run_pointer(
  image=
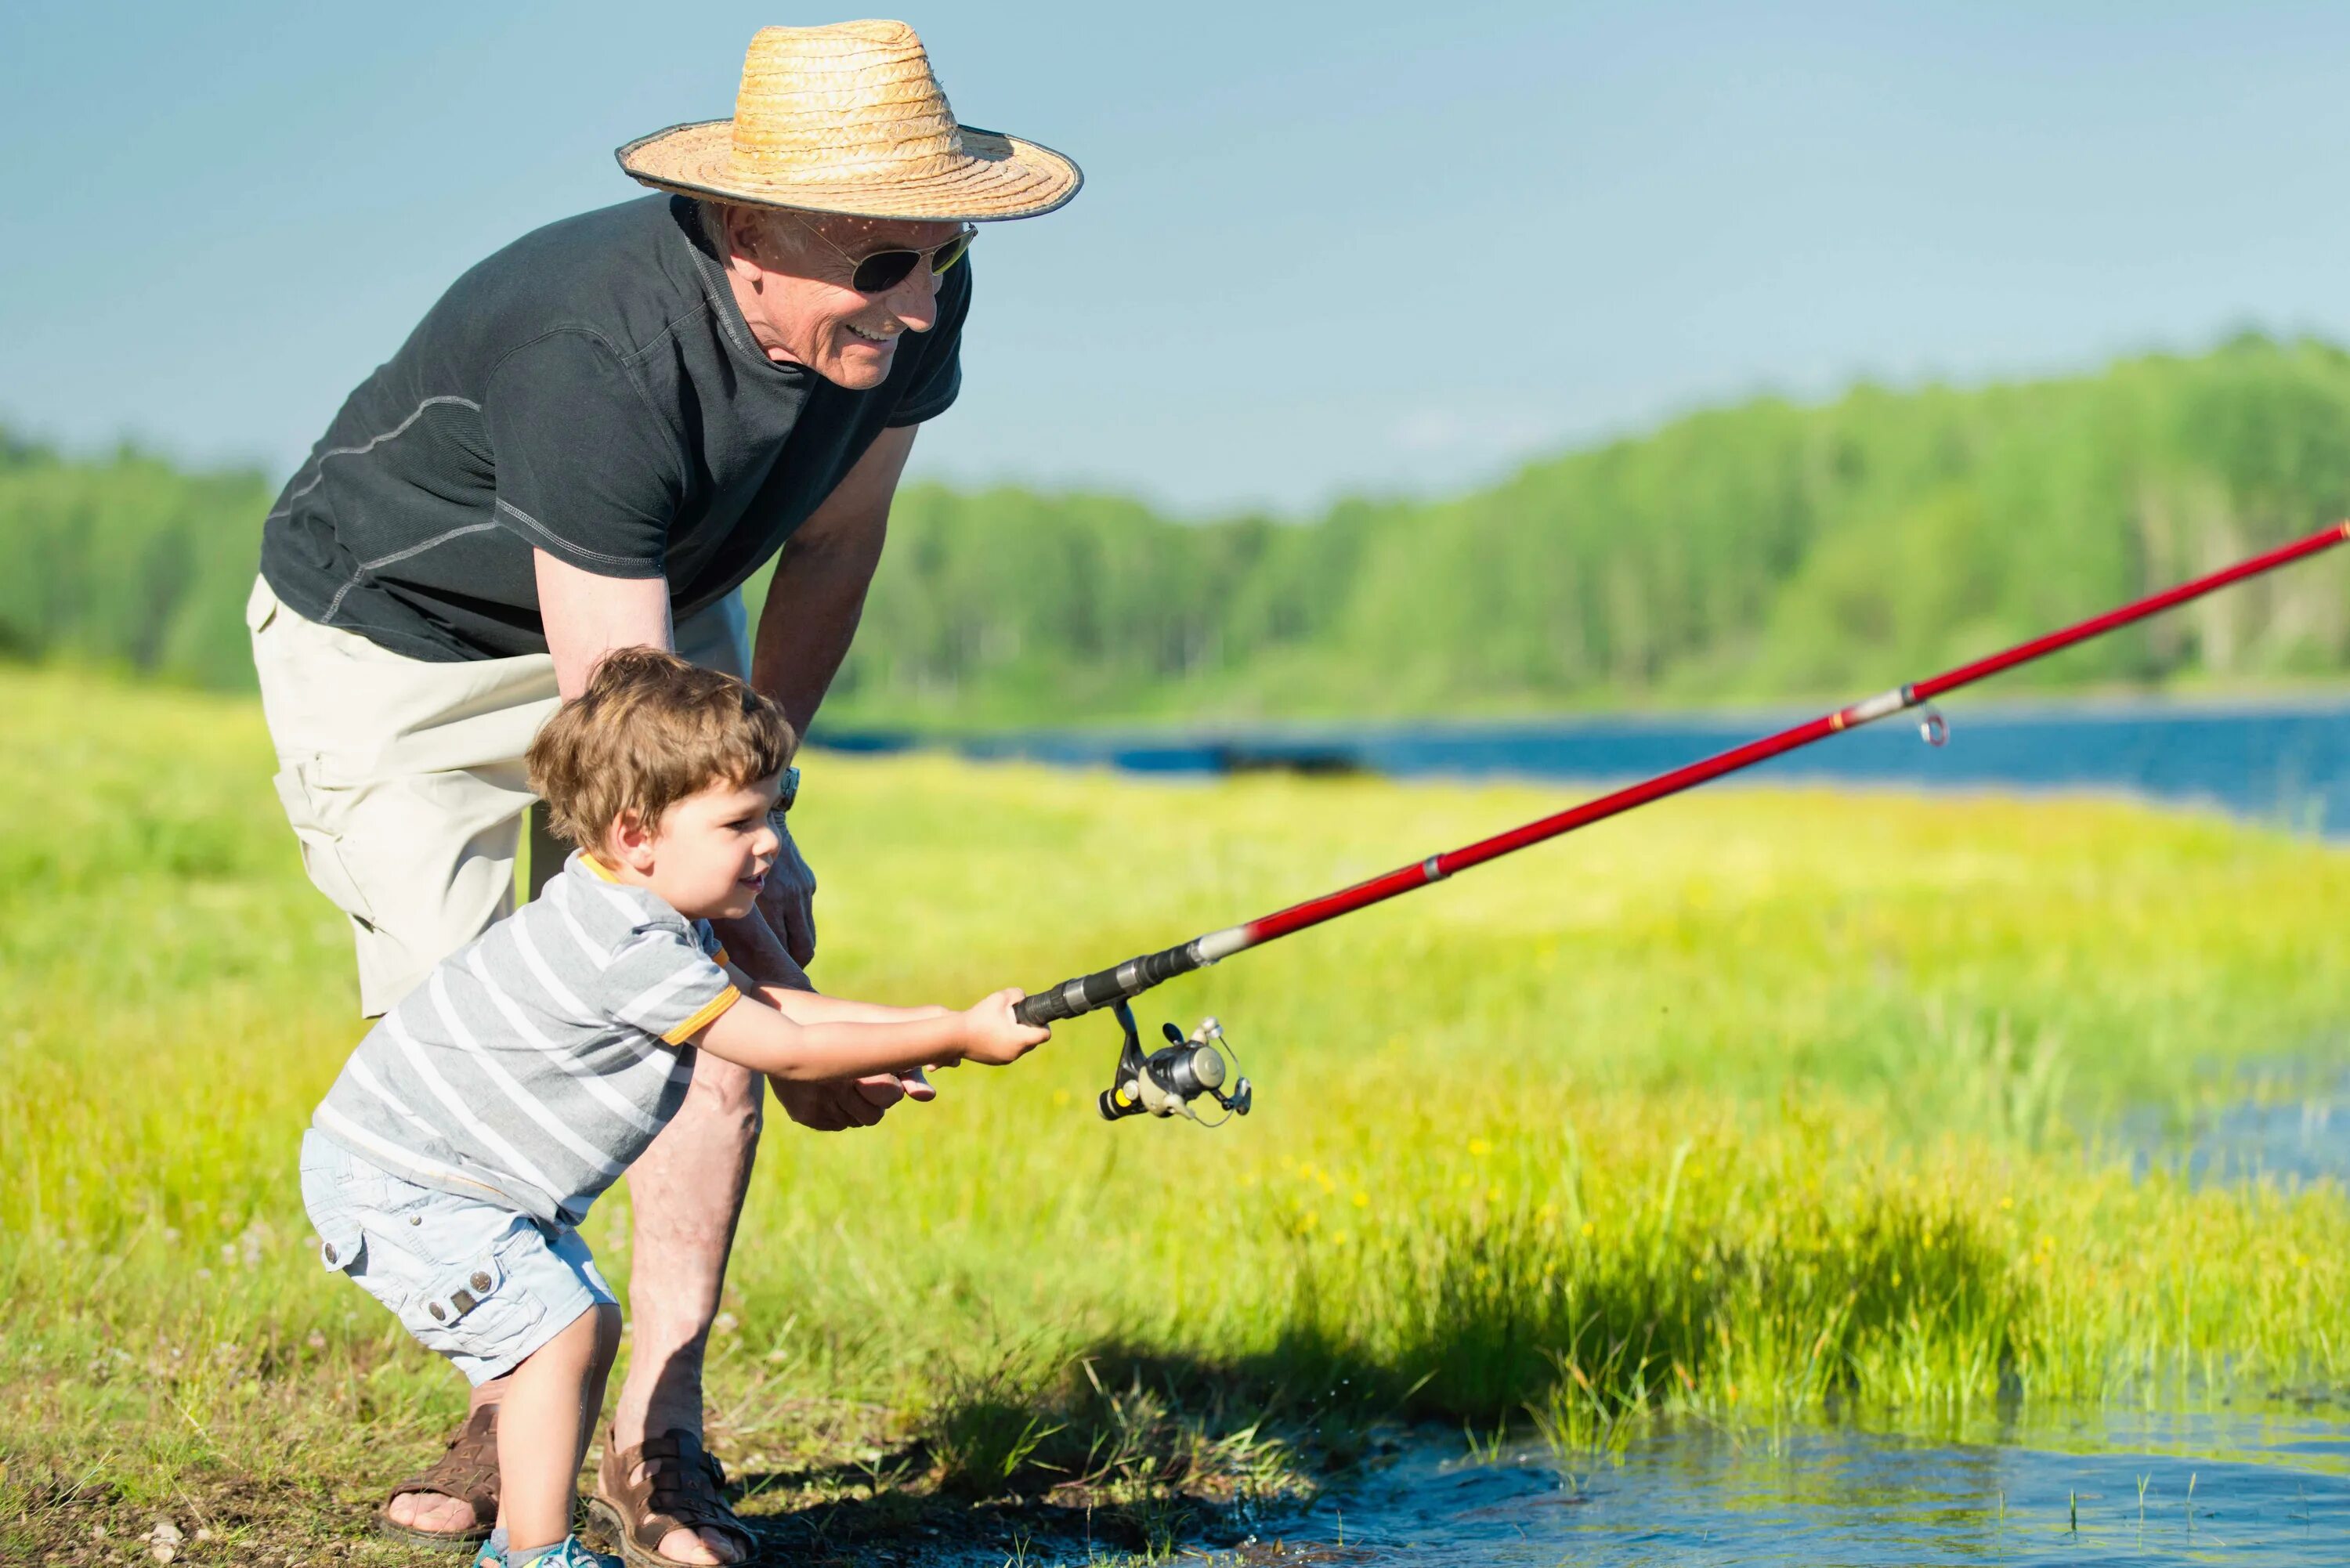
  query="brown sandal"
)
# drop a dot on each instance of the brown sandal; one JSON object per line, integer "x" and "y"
{"x": 467, "y": 1470}
{"x": 670, "y": 1482}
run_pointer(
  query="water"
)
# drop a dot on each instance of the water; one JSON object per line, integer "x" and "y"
{"x": 2114, "y": 1487}
{"x": 2293, "y": 1140}
{"x": 2263, "y": 1491}
{"x": 2278, "y": 762}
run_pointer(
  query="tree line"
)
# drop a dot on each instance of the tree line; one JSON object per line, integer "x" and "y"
{"x": 1767, "y": 550}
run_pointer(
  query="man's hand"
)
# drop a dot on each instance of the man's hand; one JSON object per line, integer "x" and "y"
{"x": 831, "y": 1108}
{"x": 750, "y": 943}
{"x": 787, "y": 899}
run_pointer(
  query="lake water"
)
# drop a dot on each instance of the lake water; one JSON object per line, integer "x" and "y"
{"x": 2282, "y": 763}
{"x": 2114, "y": 1487}
{"x": 2263, "y": 1491}
{"x": 2291, "y": 1139}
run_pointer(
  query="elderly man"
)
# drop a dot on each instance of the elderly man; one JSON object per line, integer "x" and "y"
{"x": 590, "y": 442}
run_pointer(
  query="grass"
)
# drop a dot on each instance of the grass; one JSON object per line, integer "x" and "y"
{"x": 1761, "y": 1106}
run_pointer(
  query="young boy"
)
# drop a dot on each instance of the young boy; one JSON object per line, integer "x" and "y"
{"x": 449, "y": 1166}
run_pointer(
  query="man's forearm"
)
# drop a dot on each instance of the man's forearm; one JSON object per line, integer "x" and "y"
{"x": 818, "y": 591}
{"x": 811, "y": 615}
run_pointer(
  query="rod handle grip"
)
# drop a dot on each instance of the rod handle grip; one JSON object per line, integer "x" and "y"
{"x": 1042, "y": 1007}
{"x": 1085, "y": 992}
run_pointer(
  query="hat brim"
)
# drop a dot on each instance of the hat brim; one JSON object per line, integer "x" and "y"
{"x": 999, "y": 177}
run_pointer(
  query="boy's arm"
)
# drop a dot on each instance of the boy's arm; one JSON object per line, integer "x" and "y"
{"x": 803, "y": 1006}
{"x": 815, "y": 1007}
{"x": 767, "y": 1039}
{"x": 813, "y": 1039}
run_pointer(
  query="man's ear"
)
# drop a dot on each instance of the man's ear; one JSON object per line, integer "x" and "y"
{"x": 745, "y": 229}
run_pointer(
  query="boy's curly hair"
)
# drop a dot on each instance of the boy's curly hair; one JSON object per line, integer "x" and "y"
{"x": 651, "y": 730}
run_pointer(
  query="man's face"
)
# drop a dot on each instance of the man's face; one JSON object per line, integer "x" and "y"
{"x": 794, "y": 289}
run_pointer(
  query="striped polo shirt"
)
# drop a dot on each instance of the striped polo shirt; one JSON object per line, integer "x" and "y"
{"x": 538, "y": 1061}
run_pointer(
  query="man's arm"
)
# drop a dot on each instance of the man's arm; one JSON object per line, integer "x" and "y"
{"x": 811, "y": 615}
{"x": 587, "y": 617}
{"x": 820, "y": 581}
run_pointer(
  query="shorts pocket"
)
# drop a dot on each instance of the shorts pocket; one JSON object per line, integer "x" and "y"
{"x": 322, "y": 848}
{"x": 332, "y": 1205}
{"x": 342, "y": 1245}
{"x": 475, "y": 1307}
{"x": 260, "y": 606}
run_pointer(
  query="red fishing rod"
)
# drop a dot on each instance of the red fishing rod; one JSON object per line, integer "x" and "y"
{"x": 1167, "y": 1082}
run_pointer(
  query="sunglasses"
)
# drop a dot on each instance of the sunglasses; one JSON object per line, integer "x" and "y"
{"x": 882, "y": 270}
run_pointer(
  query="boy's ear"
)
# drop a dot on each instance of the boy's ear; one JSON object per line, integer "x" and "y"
{"x": 632, "y": 840}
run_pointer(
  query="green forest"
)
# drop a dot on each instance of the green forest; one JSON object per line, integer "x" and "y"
{"x": 1763, "y": 551}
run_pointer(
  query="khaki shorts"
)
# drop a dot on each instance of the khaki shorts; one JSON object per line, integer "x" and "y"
{"x": 404, "y": 779}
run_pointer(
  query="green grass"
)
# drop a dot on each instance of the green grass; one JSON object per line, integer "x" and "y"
{"x": 1760, "y": 1106}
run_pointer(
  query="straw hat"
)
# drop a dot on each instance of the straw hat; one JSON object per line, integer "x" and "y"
{"x": 849, "y": 119}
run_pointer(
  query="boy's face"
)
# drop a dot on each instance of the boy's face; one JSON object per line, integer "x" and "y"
{"x": 711, "y": 851}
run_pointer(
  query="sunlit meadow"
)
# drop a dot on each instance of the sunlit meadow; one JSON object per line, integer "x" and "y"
{"x": 1763, "y": 1106}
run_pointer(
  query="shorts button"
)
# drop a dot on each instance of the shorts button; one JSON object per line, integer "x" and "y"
{"x": 438, "y": 1315}
{"x": 481, "y": 1282}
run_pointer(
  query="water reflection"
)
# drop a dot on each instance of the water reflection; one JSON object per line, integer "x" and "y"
{"x": 2292, "y": 1139}
{"x": 2140, "y": 1490}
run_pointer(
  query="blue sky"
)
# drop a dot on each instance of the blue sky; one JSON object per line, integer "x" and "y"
{"x": 1321, "y": 250}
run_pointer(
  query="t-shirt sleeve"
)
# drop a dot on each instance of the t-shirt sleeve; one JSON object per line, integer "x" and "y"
{"x": 936, "y": 374}
{"x": 587, "y": 470}
{"x": 660, "y": 981}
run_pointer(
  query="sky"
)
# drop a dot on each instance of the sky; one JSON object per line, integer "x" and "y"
{"x": 1321, "y": 250}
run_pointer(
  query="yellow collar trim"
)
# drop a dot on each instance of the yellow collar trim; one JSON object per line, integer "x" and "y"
{"x": 597, "y": 866}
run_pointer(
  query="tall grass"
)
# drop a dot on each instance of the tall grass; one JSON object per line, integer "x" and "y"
{"x": 1763, "y": 1105}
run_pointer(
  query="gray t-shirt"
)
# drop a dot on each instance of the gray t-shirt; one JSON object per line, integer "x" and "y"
{"x": 538, "y": 1061}
{"x": 591, "y": 390}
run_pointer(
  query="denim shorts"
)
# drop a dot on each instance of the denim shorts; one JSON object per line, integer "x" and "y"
{"x": 477, "y": 1280}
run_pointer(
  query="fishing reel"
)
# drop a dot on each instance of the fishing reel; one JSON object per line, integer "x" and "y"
{"x": 1172, "y": 1080}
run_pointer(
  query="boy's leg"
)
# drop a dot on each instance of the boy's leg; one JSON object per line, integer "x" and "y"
{"x": 549, "y": 1409}
{"x": 488, "y": 1287}
{"x": 404, "y": 784}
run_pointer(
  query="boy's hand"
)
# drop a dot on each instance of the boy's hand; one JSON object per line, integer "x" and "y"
{"x": 995, "y": 1037}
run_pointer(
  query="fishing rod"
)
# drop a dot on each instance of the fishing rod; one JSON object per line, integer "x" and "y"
{"x": 1188, "y": 1069}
